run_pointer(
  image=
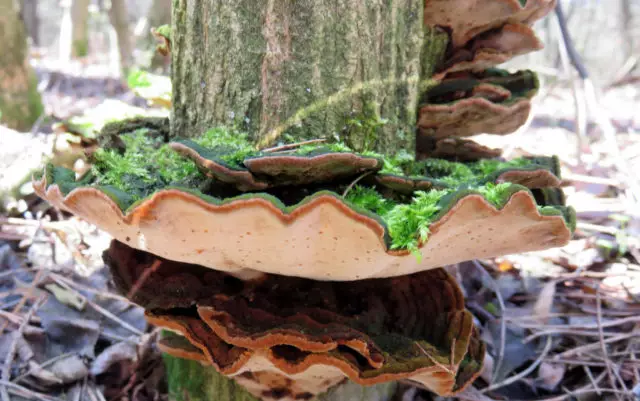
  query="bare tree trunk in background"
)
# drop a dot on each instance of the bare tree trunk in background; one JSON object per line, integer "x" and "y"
{"x": 159, "y": 14}
{"x": 74, "y": 30}
{"x": 120, "y": 22}
{"x": 29, "y": 13}
{"x": 20, "y": 103}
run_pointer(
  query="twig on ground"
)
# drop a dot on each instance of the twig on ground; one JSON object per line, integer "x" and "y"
{"x": 99, "y": 308}
{"x": 503, "y": 324}
{"x": 525, "y": 372}
{"x": 8, "y": 360}
{"x": 23, "y": 391}
{"x": 603, "y": 347}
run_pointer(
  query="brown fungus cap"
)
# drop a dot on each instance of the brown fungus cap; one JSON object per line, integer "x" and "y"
{"x": 466, "y": 19}
{"x": 264, "y": 171}
{"x": 240, "y": 177}
{"x": 371, "y": 331}
{"x": 489, "y": 102}
{"x": 302, "y": 170}
{"x": 468, "y": 117}
{"x": 322, "y": 238}
{"x": 461, "y": 150}
{"x": 491, "y": 49}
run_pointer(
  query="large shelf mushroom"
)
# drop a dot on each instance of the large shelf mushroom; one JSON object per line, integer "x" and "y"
{"x": 377, "y": 331}
{"x": 295, "y": 268}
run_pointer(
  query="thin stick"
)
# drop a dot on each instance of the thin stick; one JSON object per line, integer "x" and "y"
{"x": 503, "y": 324}
{"x": 43, "y": 365}
{"x": 293, "y": 145}
{"x": 143, "y": 278}
{"x": 587, "y": 370}
{"x": 350, "y": 187}
{"x": 525, "y": 372}
{"x": 100, "y": 309}
{"x": 603, "y": 347}
{"x": 567, "y": 331}
{"x": 30, "y": 393}
{"x": 8, "y": 360}
{"x": 592, "y": 346}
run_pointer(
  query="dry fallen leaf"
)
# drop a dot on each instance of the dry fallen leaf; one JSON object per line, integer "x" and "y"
{"x": 544, "y": 303}
{"x": 550, "y": 375}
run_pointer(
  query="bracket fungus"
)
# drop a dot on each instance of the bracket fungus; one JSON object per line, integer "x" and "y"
{"x": 295, "y": 268}
{"x": 471, "y": 103}
{"x": 467, "y": 19}
{"x": 377, "y": 331}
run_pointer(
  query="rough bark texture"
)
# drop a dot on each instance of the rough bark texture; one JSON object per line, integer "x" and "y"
{"x": 190, "y": 381}
{"x": 20, "y": 103}
{"x": 307, "y": 68}
{"x": 119, "y": 21}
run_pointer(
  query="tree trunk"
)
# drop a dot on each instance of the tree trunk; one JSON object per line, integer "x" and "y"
{"x": 74, "y": 30}
{"x": 120, "y": 22}
{"x": 306, "y": 68}
{"x": 20, "y": 103}
{"x": 29, "y": 12}
{"x": 190, "y": 381}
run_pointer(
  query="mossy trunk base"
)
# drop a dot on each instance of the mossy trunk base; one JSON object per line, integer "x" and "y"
{"x": 192, "y": 381}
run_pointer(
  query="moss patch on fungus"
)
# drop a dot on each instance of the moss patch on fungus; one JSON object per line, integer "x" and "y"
{"x": 141, "y": 163}
{"x": 145, "y": 165}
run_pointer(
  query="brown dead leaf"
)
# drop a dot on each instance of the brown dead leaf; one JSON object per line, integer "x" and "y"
{"x": 550, "y": 375}
{"x": 544, "y": 303}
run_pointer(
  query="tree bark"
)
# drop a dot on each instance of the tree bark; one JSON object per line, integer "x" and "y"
{"x": 20, "y": 103}
{"x": 29, "y": 12}
{"x": 306, "y": 68}
{"x": 191, "y": 381}
{"x": 74, "y": 30}
{"x": 120, "y": 22}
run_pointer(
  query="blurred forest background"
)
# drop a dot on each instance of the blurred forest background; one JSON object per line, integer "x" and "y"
{"x": 562, "y": 324}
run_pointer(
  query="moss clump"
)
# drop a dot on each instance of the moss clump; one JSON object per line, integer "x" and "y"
{"x": 408, "y": 222}
{"x": 143, "y": 165}
{"x": 227, "y": 145}
{"x": 456, "y": 173}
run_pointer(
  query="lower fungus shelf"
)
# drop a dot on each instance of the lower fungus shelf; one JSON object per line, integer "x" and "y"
{"x": 371, "y": 331}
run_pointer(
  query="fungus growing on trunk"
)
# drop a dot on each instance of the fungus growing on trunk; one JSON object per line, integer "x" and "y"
{"x": 294, "y": 268}
{"x": 376, "y": 331}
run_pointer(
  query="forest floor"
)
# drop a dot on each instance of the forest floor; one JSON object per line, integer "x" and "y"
{"x": 561, "y": 324}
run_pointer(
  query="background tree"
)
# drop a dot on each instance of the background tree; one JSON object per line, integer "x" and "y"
{"x": 74, "y": 29}
{"x": 120, "y": 22}
{"x": 20, "y": 103}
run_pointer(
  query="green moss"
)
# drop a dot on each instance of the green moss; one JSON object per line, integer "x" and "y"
{"x": 457, "y": 174}
{"x": 193, "y": 381}
{"x": 164, "y": 30}
{"x": 144, "y": 165}
{"x": 496, "y": 194}
{"x": 408, "y": 223}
